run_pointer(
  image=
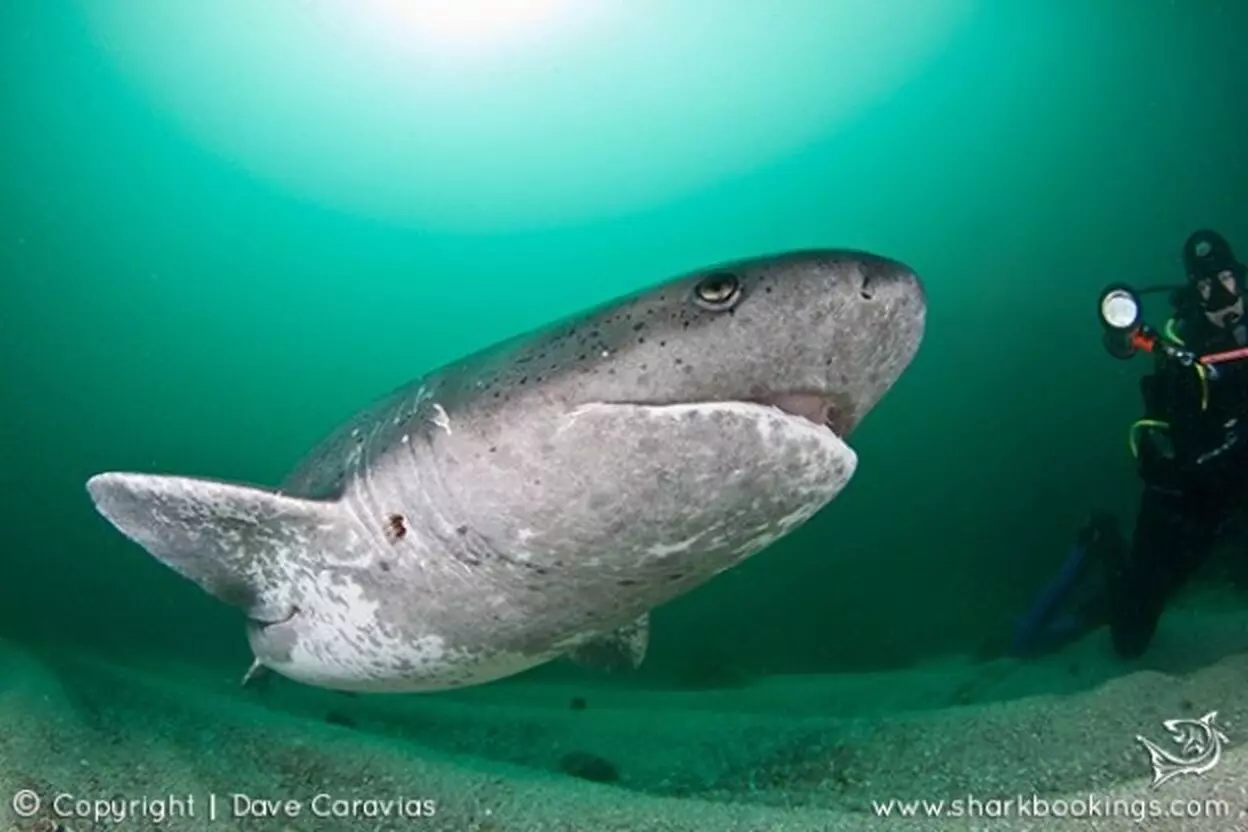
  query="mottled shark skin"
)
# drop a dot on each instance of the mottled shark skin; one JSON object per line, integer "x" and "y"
{"x": 537, "y": 499}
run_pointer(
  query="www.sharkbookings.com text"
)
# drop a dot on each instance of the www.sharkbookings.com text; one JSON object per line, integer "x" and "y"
{"x": 1089, "y": 805}
{"x": 69, "y": 806}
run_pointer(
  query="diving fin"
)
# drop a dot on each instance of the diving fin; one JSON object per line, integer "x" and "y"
{"x": 235, "y": 541}
{"x": 622, "y": 649}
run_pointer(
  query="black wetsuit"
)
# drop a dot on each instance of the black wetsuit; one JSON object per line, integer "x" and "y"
{"x": 1195, "y": 477}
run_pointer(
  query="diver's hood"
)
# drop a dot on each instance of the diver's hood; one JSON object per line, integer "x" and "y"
{"x": 1206, "y": 254}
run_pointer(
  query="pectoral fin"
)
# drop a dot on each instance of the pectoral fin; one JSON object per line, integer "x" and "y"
{"x": 622, "y": 649}
{"x": 238, "y": 542}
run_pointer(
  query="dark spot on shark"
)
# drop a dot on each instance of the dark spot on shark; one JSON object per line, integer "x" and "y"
{"x": 396, "y": 527}
{"x": 461, "y": 530}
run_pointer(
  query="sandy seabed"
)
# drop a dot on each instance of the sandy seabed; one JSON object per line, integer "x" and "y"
{"x": 956, "y": 744}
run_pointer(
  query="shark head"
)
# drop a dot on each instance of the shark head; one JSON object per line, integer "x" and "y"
{"x": 821, "y": 335}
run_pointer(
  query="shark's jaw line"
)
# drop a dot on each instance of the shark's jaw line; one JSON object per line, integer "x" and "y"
{"x": 821, "y": 409}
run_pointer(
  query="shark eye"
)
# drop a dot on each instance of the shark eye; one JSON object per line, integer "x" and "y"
{"x": 718, "y": 292}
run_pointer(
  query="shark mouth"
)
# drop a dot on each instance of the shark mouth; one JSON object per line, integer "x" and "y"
{"x": 830, "y": 411}
{"x": 824, "y": 409}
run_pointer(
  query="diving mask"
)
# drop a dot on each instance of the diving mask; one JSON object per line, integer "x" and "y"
{"x": 1214, "y": 293}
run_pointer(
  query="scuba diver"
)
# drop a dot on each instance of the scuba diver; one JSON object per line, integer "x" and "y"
{"x": 1191, "y": 449}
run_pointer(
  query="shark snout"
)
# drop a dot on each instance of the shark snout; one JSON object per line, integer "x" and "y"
{"x": 866, "y": 342}
{"x": 881, "y": 280}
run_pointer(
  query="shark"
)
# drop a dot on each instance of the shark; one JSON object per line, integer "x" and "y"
{"x": 538, "y": 498}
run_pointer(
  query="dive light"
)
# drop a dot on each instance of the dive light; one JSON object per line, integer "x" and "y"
{"x": 1120, "y": 313}
{"x": 1120, "y": 308}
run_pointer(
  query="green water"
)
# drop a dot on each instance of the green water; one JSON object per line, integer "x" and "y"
{"x": 169, "y": 303}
